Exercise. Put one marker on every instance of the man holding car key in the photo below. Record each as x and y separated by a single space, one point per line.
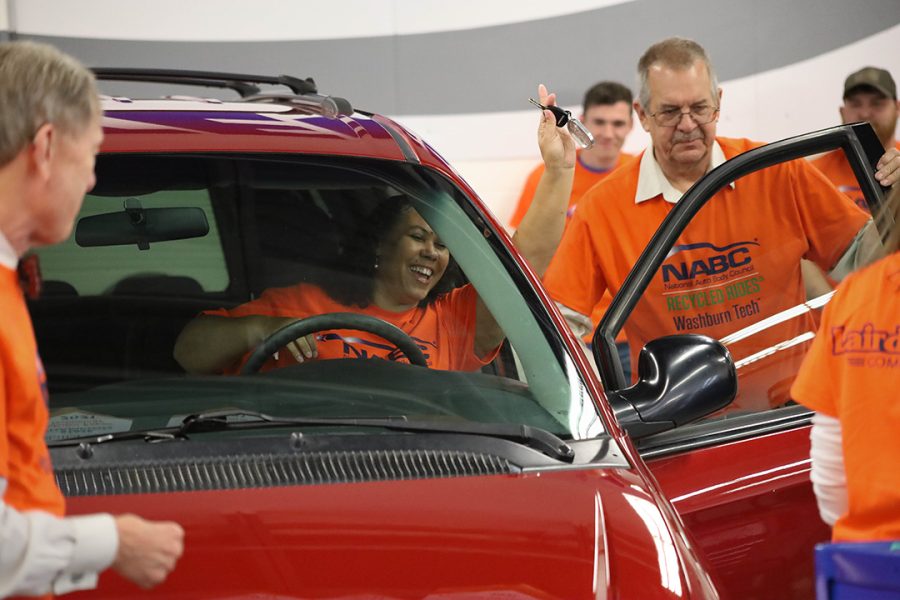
772 218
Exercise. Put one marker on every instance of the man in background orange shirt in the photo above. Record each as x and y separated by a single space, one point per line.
606 112
870 94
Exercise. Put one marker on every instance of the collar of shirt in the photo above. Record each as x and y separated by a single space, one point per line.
591 169
652 182
8 256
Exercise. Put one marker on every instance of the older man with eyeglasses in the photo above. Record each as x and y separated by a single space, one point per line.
679 106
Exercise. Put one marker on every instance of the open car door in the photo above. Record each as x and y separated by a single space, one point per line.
755 278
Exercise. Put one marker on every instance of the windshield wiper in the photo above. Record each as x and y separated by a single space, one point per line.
218 420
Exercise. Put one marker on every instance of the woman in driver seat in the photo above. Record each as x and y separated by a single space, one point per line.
398 283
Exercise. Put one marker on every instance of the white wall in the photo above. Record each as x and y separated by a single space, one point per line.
495 152
245 20
492 150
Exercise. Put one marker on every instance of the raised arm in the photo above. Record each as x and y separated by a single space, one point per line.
542 226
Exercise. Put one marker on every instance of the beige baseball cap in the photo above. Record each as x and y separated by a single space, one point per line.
872 77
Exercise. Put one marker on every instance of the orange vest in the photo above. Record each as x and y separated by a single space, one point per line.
24 459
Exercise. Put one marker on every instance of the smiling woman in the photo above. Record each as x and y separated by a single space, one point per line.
398 260
392 266
411 260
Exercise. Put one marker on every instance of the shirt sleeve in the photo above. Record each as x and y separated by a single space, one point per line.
457 311
581 325
42 553
864 249
272 302
830 219
828 477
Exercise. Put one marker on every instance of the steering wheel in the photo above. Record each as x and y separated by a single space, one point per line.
340 320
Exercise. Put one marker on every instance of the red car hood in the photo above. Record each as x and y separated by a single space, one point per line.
559 534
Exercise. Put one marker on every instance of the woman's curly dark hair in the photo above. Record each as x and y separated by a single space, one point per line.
358 256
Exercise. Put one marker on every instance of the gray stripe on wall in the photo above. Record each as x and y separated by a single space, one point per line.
497 68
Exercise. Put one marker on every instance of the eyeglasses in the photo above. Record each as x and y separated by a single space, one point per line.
671 117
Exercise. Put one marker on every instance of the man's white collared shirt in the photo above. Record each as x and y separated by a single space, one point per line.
652 181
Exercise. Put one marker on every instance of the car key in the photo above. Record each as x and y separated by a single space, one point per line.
564 119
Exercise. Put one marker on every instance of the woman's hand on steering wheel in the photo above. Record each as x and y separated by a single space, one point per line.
300 332
302 349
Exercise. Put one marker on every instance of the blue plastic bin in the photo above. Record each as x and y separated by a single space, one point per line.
858 571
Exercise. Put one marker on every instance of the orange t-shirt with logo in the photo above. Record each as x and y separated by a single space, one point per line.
852 373
585 179
737 262
835 166
24 458
444 330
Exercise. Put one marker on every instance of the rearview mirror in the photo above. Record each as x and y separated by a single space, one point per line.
682 378
141 226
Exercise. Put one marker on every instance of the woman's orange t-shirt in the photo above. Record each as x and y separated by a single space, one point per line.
444 330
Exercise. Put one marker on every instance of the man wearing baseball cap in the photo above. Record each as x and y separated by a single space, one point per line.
870 94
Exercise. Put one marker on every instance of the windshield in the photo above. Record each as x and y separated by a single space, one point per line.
166 301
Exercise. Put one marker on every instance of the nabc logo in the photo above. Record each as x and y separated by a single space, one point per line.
726 257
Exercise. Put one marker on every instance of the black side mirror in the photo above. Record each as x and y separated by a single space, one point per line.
681 379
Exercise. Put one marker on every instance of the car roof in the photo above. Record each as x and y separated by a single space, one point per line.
191 125
265 118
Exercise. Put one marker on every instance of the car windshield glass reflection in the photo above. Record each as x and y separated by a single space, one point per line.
398 303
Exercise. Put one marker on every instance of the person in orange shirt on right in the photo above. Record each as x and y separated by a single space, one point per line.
870 94
850 377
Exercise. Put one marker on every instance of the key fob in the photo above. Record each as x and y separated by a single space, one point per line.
564 119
